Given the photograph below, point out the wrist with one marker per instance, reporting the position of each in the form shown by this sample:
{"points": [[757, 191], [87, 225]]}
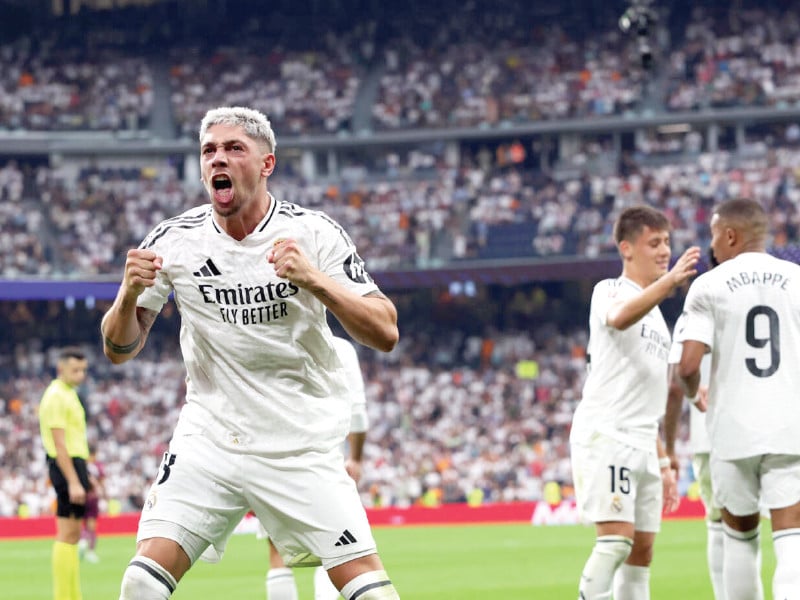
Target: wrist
{"points": [[664, 462]]}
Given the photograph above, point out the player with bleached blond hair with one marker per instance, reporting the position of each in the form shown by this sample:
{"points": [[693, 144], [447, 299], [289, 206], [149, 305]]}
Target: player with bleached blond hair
{"points": [[267, 407]]}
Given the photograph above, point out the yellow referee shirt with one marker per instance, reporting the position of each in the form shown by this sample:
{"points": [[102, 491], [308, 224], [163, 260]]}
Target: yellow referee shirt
{"points": [[62, 409]]}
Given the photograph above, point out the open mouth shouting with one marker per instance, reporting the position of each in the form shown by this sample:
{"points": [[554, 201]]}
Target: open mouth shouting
{"points": [[223, 189]]}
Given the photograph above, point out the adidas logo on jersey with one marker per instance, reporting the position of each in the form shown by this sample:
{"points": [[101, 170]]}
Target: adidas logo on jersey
{"points": [[346, 539], [209, 269]]}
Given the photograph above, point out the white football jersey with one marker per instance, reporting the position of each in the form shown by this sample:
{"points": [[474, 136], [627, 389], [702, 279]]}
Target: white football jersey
{"points": [[625, 392], [747, 311], [698, 435], [355, 384], [262, 372]]}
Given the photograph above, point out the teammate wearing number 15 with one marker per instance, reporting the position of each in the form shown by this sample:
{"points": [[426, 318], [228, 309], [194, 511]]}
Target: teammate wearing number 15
{"points": [[746, 313], [622, 475]]}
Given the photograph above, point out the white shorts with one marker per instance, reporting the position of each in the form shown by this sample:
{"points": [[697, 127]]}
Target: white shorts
{"points": [[308, 503], [738, 484], [702, 474], [617, 482]]}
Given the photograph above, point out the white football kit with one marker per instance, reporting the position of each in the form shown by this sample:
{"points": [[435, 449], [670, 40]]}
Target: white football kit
{"points": [[698, 434], [358, 399], [355, 384], [615, 427], [267, 401], [747, 311]]}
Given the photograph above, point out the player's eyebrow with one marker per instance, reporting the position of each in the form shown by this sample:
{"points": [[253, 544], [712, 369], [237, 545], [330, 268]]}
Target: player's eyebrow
{"points": [[229, 142]]}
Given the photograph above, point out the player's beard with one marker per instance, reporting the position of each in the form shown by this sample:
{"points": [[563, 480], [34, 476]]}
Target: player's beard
{"points": [[228, 210]]}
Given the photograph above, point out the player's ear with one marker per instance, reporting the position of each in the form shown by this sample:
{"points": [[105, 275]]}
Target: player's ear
{"points": [[732, 236], [268, 164], [625, 249]]}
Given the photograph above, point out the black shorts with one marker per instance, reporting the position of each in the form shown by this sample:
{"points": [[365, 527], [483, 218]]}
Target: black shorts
{"points": [[64, 508]]}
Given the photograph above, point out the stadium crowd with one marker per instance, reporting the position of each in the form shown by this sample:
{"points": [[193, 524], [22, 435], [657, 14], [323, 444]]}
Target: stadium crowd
{"points": [[80, 225], [451, 413], [482, 65]]}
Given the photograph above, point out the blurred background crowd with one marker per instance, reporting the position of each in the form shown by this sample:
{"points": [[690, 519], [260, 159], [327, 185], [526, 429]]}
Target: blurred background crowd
{"points": [[477, 152]]}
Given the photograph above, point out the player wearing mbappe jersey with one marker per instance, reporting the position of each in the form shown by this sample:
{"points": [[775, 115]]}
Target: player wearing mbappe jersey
{"points": [[746, 313], [622, 481], [266, 402]]}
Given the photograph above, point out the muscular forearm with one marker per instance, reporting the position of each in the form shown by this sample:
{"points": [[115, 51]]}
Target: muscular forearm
{"points": [[673, 412], [356, 442], [371, 320], [124, 329]]}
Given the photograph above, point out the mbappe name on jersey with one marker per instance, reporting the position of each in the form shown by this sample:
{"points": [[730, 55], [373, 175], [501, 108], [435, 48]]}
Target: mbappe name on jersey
{"points": [[756, 278]]}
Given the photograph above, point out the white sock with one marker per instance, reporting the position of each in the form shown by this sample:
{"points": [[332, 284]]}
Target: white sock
{"points": [[373, 585], [323, 588], [632, 582], [741, 570], [145, 578], [281, 584], [609, 552], [715, 554], [786, 580]]}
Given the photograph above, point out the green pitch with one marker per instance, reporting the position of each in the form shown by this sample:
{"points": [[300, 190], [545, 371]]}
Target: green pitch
{"points": [[426, 563]]}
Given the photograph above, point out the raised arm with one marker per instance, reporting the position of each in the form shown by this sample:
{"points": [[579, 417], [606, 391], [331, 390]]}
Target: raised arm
{"points": [[125, 326], [624, 314], [370, 320]]}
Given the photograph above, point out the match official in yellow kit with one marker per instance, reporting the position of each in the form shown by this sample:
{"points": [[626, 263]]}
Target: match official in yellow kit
{"points": [[62, 423]]}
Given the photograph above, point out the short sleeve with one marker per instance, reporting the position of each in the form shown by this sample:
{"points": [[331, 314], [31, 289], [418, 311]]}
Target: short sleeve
{"points": [[697, 318]]}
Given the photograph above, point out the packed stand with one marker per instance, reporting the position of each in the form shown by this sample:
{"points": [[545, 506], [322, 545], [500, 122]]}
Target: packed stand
{"points": [[89, 219], [22, 251], [504, 66], [451, 65], [50, 84], [734, 57], [304, 89], [94, 215]]}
